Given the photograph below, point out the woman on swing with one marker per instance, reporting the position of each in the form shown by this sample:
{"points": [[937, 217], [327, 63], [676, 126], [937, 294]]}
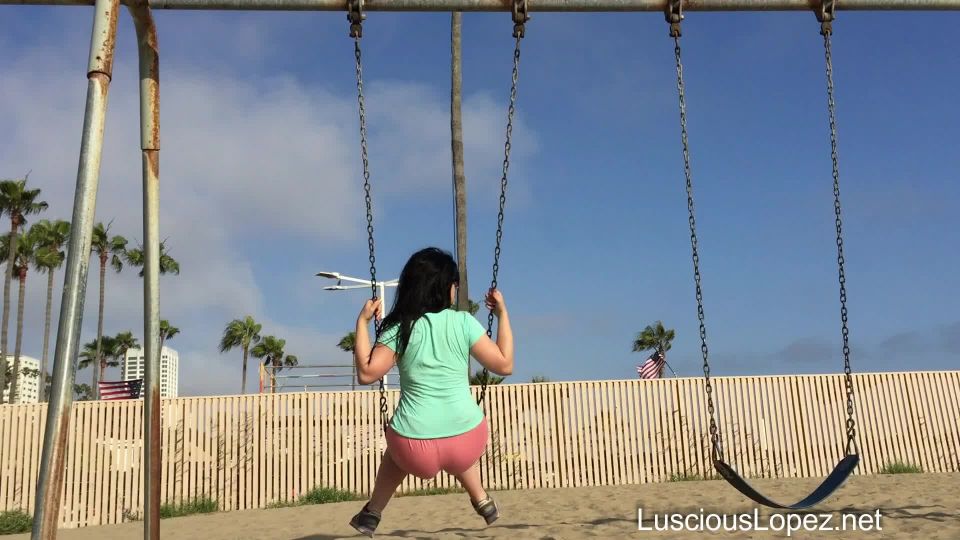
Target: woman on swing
{"points": [[437, 424]]}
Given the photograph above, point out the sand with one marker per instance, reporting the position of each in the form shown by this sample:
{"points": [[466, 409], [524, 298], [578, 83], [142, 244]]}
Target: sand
{"points": [[914, 506]]}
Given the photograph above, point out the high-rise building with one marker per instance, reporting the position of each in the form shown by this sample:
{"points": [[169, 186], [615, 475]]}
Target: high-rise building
{"points": [[133, 368], [28, 381]]}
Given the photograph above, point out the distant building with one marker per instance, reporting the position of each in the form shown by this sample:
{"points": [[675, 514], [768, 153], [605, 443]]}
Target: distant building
{"points": [[133, 368], [29, 383]]}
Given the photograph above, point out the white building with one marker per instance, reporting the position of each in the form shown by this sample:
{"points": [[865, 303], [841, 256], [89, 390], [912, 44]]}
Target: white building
{"points": [[29, 384], [133, 368]]}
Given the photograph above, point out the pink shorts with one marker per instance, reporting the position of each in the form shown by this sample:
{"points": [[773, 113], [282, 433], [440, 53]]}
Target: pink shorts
{"points": [[427, 457]]}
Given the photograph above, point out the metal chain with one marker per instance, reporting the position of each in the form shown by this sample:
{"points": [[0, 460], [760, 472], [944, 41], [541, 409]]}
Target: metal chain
{"points": [[356, 16], [520, 17], [826, 30], [714, 430]]}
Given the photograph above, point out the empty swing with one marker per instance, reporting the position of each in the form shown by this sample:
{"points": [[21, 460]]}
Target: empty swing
{"points": [[845, 466]]}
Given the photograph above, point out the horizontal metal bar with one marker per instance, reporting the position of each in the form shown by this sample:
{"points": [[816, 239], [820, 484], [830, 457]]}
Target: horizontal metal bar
{"points": [[315, 376], [302, 366], [534, 6]]}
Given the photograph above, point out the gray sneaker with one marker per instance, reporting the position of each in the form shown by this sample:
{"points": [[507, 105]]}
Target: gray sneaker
{"points": [[365, 522], [487, 509]]}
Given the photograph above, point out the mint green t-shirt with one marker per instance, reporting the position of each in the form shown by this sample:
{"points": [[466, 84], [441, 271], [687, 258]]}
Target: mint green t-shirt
{"points": [[435, 399]]}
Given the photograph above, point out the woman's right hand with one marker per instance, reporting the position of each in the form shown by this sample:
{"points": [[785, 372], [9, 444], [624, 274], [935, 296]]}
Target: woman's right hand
{"points": [[372, 308], [495, 302]]}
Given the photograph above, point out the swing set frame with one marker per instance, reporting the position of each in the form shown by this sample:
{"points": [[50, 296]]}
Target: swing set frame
{"points": [[99, 73]]}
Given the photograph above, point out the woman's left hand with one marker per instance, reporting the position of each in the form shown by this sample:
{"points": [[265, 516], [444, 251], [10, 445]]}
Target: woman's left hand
{"points": [[372, 308]]}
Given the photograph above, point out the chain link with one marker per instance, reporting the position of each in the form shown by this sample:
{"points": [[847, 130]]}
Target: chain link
{"points": [[714, 430], [827, 31], [356, 17], [518, 35]]}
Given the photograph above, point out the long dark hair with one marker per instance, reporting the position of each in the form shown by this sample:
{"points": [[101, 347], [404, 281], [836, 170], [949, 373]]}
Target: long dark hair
{"points": [[424, 287]]}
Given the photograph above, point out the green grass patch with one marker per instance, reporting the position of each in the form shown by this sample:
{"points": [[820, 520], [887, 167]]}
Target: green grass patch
{"points": [[324, 495], [282, 504], [15, 522], [432, 491], [685, 477], [200, 505], [319, 495], [899, 467]]}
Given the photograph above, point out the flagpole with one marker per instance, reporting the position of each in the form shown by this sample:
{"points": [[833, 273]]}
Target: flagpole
{"points": [[671, 368]]}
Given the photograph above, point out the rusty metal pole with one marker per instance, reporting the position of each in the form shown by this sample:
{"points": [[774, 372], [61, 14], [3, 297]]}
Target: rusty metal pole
{"points": [[150, 148], [536, 6], [46, 515]]}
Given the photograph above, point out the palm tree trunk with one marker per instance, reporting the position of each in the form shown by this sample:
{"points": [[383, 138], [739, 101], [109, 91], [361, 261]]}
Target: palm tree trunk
{"points": [[15, 376], [456, 147], [98, 369], [46, 338], [6, 307], [243, 385]]}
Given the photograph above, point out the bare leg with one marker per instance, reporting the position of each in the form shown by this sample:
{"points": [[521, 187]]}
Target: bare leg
{"points": [[470, 479], [481, 501], [388, 479]]}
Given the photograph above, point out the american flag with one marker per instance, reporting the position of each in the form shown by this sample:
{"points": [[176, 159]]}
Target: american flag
{"points": [[110, 390], [651, 368]]}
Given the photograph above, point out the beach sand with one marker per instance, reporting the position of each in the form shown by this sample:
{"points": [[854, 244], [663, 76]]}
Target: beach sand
{"points": [[914, 506]]}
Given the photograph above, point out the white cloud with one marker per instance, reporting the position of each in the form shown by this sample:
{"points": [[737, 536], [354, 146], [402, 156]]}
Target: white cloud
{"points": [[239, 157]]}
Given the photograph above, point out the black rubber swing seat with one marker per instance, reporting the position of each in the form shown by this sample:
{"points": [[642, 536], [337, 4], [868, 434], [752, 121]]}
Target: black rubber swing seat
{"points": [[831, 483]]}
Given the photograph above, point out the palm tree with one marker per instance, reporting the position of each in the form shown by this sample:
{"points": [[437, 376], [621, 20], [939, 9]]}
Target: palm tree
{"points": [[99, 354], [347, 344], [270, 350], [26, 251], [456, 147], [52, 236], [18, 202], [657, 338], [112, 249], [478, 377], [124, 342], [168, 265], [167, 332], [241, 333], [82, 392]]}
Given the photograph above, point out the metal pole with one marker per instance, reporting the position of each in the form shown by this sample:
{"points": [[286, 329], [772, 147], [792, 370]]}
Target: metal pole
{"points": [[535, 6], [46, 515], [150, 150]]}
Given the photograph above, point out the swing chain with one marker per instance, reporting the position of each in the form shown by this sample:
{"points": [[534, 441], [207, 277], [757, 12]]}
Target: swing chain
{"points": [[674, 16], [826, 17], [520, 16], [356, 17]]}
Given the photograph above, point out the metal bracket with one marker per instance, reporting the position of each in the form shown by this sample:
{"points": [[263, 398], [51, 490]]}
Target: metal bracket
{"points": [[674, 16], [826, 14], [520, 17], [356, 16]]}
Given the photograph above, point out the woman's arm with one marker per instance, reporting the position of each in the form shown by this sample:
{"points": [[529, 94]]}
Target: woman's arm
{"points": [[497, 357], [370, 368]]}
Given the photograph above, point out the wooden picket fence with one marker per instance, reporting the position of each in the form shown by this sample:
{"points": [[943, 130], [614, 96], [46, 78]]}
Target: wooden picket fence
{"points": [[251, 451]]}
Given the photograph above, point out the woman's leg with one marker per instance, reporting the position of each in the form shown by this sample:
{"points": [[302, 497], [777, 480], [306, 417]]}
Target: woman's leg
{"points": [[460, 456], [470, 480], [388, 479]]}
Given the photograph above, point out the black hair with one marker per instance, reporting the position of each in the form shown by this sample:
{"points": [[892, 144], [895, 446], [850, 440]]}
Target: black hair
{"points": [[424, 287]]}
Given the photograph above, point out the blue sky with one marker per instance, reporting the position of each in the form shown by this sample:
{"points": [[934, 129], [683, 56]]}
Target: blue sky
{"points": [[261, 180]]}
